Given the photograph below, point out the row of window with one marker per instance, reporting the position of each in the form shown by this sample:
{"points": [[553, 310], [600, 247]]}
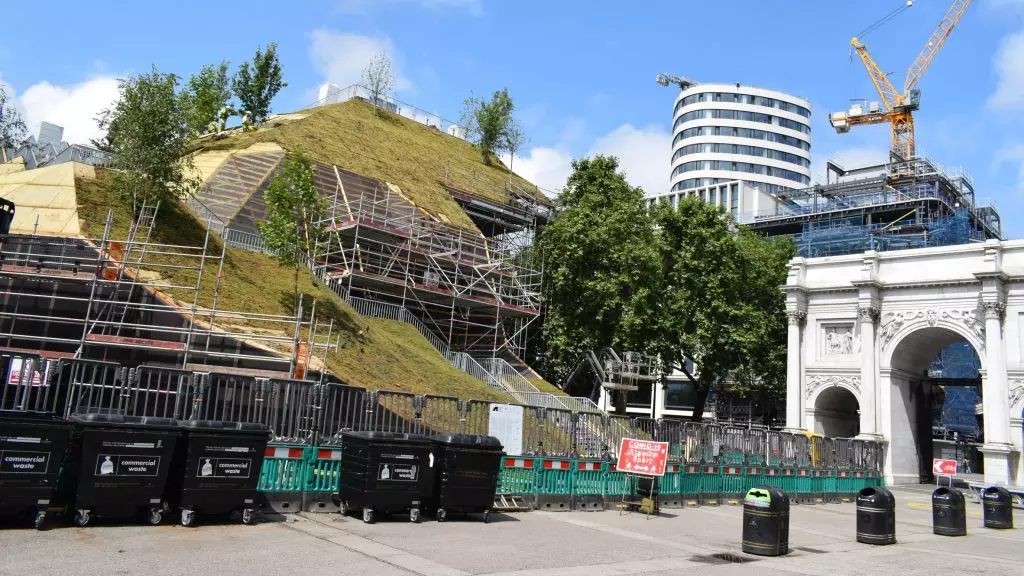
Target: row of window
{"points": [[742, 149], [740, 167], [742, 115], [741, 133], [722, 196], [698, 182], [743, 99]]}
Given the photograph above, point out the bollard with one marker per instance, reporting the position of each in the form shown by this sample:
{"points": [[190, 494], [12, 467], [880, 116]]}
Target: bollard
{"points": [[998, 507], [876, 516], [949, 512], [766, 522]]}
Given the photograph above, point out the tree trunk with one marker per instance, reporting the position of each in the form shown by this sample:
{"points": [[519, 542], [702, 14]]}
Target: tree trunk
{"points": [[700, 399], [295, 287]]}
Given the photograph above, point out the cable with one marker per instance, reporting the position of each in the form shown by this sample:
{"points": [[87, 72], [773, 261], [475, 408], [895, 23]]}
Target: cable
{"points": [[903, 7]]}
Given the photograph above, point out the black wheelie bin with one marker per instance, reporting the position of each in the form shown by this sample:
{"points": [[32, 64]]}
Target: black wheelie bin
{"points": [[466, 474], [32, 448], [385, 472], [219, 465], [123, 465]]}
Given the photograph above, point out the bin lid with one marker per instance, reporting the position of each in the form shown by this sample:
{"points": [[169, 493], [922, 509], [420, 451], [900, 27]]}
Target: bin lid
{"points": [[386, 436], [472, 440], [996, 492], [121, 420], [224, 426], [34, 415]]}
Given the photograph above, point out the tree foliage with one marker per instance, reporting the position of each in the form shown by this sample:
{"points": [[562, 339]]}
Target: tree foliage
{"points": [[257, 83], [489, 120], [148, 134], [12, 128], [206, 94], [378, 79], [600, 257], [294, 210]]}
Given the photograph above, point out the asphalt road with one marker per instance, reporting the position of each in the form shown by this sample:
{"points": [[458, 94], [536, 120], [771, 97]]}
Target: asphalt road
{"points": [[569, 543]]}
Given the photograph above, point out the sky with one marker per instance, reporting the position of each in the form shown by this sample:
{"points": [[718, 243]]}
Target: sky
{"points": [[581, 73]]}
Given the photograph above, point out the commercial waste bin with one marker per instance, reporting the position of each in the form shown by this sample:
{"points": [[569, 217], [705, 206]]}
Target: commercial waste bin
{"points": [[219, 464], [32, 448], [766, 521], [123, 464], [997, 505], [465, 474], [949, 512], [385, 472], [876, 516]]}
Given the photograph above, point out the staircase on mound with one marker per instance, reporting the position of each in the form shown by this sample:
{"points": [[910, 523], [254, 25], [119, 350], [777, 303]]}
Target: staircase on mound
{"points": [[232, 197]]}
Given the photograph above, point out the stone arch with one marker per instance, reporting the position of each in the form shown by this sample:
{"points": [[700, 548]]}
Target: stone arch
{"points": [[818, 384], [896, 327], [836, 412]]}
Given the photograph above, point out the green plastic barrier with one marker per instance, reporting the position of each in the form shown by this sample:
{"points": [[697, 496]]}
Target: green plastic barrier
{"points": [[323, 470], [555, 478], [284, 469], [588, 484], [710, 485], [803, 486], [788, 480], [517, 477], [616, 484]]}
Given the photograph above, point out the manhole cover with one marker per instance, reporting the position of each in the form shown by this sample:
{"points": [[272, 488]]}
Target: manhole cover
{"points": [[721, 558]]}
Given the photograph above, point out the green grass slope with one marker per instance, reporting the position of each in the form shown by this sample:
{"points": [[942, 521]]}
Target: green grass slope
{"points": [[375, 353], [413, 156]]}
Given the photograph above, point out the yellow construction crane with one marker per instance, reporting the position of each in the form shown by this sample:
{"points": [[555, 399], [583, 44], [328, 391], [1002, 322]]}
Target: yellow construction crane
{"points": [[897, 108]]}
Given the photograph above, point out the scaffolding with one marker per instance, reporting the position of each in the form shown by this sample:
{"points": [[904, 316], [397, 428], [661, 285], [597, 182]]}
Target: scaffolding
{"points": [[477, 294], [136, 300]]}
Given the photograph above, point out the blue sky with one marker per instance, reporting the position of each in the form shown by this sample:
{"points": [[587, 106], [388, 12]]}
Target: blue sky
{"points": [[581, 73]]}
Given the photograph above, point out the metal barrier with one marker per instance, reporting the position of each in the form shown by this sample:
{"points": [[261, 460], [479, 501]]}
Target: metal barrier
{"points": [[162, 392], [93, 386], [29, 385], [338, 408]]}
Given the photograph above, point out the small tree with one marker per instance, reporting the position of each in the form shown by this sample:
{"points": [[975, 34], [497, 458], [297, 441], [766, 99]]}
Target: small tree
{"points": [[206, 94], [294, 210], [12, 128], [489, 120], [379, 80], [515, 139], [257, 83], [148, 134]]}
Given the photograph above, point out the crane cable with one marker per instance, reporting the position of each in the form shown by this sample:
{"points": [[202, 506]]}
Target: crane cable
{"points": [[882, 21]]}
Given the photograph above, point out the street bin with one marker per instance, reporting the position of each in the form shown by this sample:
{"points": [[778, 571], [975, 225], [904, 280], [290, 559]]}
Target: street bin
{"points": [[876, 516], [385, 472], [220, 466], [998, 508], [949, 512], [32, 447], [123, 464], [766, 521], [465, 474]]}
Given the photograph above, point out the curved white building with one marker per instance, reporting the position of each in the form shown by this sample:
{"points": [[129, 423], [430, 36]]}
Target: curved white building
{"points": [[739, 147]]}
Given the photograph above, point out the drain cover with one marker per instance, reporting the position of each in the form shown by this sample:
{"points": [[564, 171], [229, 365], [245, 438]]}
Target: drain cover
{"points": [[721, 558]]}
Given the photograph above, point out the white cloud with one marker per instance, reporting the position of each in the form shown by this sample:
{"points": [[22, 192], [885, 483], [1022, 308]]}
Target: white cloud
{"points": [[1009, 65], [340, 58], [643, 155], [1013, 154], [362, 6], [74, 107], [546, 167]]}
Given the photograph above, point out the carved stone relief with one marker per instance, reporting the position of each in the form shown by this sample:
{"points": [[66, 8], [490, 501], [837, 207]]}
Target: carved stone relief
{"points": [[818, 381], [838, 340], [892, 322]]}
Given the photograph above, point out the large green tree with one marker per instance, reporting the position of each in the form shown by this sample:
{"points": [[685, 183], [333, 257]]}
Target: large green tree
{"points": [[255, 84], [206, 93], [12, 128], [715, 301], [294, 212], [148, 134], [600, 259]]}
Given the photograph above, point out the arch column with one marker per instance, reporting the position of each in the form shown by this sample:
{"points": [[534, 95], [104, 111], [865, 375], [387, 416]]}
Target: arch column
{"points": [[997, 449], [868, 316], [794, 370]]}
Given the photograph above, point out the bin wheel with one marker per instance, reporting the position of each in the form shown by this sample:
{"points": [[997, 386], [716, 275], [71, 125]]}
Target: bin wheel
{"points": [[247, 517], [156, 516], [82, 518], [343, 508], [414, 515], [442, 514], [487, 516], [188, 518], [40, 522], [368, 515]]}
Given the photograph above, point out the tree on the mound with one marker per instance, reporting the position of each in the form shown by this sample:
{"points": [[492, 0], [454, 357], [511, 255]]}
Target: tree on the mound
{"points": [[379, 80], [206, 94], [12, 128], [489, 121], [294, 212], [257, 83], [716, 302], [599, 261], [147, 132]]}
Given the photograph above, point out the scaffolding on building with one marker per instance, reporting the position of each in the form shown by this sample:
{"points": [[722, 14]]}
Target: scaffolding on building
{"points": [[135, 301]]}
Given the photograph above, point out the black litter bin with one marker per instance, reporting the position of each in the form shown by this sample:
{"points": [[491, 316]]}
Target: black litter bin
{"points": [[220, 466], [32, 447], [385, 472], [876, 516], [949, 512], [766, 522], [998, 507], [465, 474], [123, 465]]}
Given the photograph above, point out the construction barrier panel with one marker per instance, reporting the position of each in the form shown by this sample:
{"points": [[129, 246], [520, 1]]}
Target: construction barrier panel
{"points": [[670, 487], [517, 482], [554, 482], [690, 484], [283, 477], [588, 484], [710, 493], [733, 485], [323, 472]]}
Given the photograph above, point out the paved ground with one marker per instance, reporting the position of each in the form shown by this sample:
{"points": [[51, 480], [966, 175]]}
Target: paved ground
{"points": [[569, 543]]}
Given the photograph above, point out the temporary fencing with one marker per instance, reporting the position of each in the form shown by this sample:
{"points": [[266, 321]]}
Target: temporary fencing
{"points": [[565, 460]]}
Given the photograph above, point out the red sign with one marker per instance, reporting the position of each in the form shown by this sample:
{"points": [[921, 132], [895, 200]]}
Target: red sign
{"points": [[944, 467], [642, 457]]}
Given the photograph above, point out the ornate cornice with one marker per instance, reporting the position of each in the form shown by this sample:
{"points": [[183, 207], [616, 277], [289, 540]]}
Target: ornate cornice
{"points": [[868, 313], [993, 310]]}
